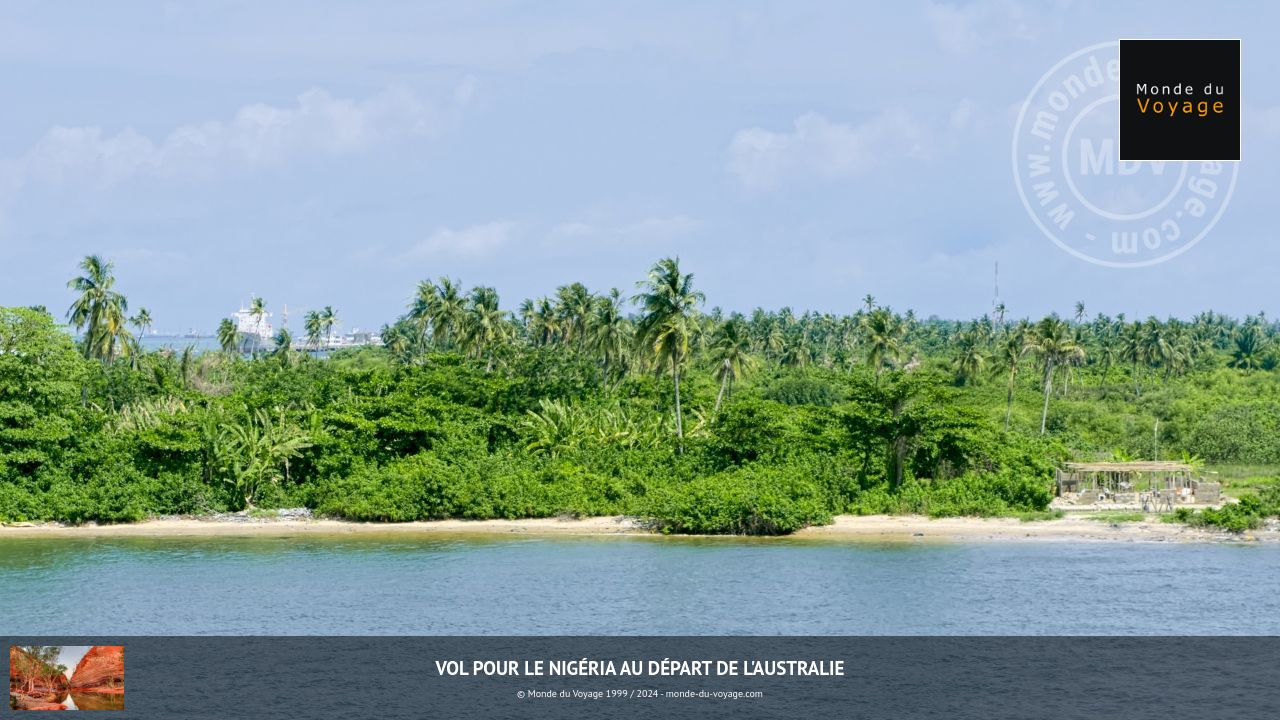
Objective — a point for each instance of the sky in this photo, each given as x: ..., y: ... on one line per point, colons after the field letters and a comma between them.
x: 791, y: 154
x: 71, y: 656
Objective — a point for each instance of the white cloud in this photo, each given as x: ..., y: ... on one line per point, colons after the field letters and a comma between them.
x: 964, y: 115
x: 465, y: 91
x: 817, y: 147
x: 954, y: 27
x: 257, y: 135
x: 476, y: 241
x: 963, y: 28
x: 1264, y: 121
x: 647, y: 229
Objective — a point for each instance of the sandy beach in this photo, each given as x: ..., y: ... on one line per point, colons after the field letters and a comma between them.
x: 872, y: 528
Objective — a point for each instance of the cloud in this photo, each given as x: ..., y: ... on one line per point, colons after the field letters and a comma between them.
x: 963, y: 28
x: 645, y: 230
x: 954, y: 28
x: 257, y: 135
x: 816, y: 147
x: 1263, y: 121
x: 476, y: 241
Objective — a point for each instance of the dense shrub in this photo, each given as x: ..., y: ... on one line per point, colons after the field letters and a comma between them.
x: 978, y: 494
x: 805, y: 391
x: 743, y: 501
x: 538, y: 427
x: 1247, y: 514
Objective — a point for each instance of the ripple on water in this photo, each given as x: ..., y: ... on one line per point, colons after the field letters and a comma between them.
x: 630, y: 585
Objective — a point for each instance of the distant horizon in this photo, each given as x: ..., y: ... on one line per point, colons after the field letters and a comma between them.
x: 1010, y: 318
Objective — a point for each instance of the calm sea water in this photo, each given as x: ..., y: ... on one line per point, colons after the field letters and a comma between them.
x: 499, y: 586
x: 178, y: 344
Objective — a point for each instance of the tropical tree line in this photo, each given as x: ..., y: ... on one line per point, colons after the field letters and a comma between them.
x: 663, y: 328
x: 603, y: 402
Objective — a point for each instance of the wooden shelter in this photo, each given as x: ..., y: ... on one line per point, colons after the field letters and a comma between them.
x: 1165, y: 482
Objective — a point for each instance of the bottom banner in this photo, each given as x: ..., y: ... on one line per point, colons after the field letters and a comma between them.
x: 642, y: 677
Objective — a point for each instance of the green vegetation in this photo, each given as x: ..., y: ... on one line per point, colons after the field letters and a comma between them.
x: 1248, y: 514
x: 588, y: 403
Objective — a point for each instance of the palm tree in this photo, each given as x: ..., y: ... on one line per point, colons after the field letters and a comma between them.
x: 283, y: 350
x: 608, y: 330
x: 422, y: 309
x: 142, y: 321
x: 668, y: 304
x: 1134, y: 349
x: 794, y: 353
x: 313, y: 325
x: 970, y: 360
x: 883, y: 333
x: 485, y: 324
x: 448, y: 313
x: 328, y: 318
x: 1080, y: 311
x: 100, y: 311
x: 228, y: 336
x: 258, y: 311
x: 1052, y: 341
x: 730, y: 353
x: 1108, y: 350
x: 541, y: 322
x: 185, y: 363
x: 1251, y: 347
x: 574, y: 304
x: 1011, y: 350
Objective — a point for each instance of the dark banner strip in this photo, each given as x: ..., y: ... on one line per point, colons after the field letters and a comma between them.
x: 690, y: 677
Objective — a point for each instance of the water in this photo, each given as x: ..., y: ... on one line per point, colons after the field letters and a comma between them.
x: 178, y: 344
x: 74, y: 700
x: 630, y: 585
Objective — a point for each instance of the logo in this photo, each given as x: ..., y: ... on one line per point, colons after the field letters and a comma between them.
x: 1082, y: 196
x: 1180, y: 100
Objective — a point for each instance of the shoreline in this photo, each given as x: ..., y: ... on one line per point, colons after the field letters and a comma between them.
x: 850, y: 528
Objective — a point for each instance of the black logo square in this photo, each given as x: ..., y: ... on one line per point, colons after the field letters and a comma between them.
x: 1179, y: 99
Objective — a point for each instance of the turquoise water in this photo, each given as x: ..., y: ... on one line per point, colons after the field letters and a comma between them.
x: 627, y: 585
x: 178, y: 344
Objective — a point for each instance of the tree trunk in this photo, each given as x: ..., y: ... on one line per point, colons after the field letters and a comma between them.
x: 724, y: 382
x: 897, y: 448
x: 1048, y: 390
x: 899, y: 460
x: 1008, y: 412
x: 675, y: 374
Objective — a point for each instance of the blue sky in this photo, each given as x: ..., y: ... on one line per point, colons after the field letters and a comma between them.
x: 800, y: 154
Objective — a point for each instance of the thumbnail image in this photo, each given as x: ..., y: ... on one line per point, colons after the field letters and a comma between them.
x: 53, y: 677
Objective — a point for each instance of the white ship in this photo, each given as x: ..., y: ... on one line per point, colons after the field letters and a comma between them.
x: 254, y: 329
x: 339, y: 341
x: 257, y: 332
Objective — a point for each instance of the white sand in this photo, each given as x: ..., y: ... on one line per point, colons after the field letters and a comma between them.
x: 910, y: 528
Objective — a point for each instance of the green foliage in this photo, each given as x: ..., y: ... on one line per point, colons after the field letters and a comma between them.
x: 975, y: 494
x: 701, y: 422
x: 804, y: 390
x: 426, y: 487
x: 256, y: 452
x: 742, y: 501
x: 40, y: 385
x: 1247, y: 514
